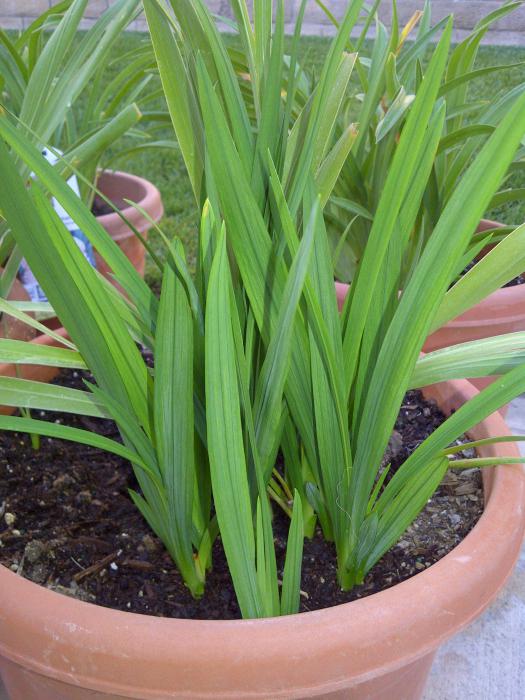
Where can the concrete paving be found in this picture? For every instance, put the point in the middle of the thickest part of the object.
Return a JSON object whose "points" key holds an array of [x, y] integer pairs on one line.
{"points": [[487, 660]]}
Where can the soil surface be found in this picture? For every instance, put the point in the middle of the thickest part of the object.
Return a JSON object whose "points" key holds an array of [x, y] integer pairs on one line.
{"points": [[516, 281], [100, 207], [67, 522]]}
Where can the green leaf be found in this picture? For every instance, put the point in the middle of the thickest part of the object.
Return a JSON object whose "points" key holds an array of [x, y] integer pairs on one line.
{"points": [[9, 308], [102, 139], [26, 353], [330, 169], [64, 432], [352, 207], [24, 393], [273, 374], [173, 411], [479, 443], [290, 596], [452, 140], [460, 80], [394, 114], [484, 462], [500, 265], [478, 358], [225, 439], [180, 97]]}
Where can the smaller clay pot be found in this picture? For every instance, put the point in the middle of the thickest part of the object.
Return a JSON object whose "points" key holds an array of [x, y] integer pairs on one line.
{"points": [[39, 373], [501, 312], [118, 186]]}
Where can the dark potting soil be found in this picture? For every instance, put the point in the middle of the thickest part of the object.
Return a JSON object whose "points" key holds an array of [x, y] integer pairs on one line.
{"points": [[100, 207], [67, 522], [520, 279]]}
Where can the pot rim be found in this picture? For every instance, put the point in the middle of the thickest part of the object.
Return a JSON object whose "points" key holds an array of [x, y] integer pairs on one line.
{"points": [[81, 643]]}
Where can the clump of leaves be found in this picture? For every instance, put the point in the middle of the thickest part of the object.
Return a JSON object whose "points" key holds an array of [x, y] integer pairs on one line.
{"points": [[389, 71], [252, 356]]}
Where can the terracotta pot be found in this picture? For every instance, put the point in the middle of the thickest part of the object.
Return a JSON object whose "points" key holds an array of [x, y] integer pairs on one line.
{"points": [[501, 312], [118, 186], [39, 373], [381, 647]]}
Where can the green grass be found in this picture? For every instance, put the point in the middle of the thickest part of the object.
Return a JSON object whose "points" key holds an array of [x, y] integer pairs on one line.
{"points": [[166, 169]]}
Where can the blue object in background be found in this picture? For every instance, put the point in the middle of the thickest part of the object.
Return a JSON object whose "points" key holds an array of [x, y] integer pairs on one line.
{"points": [[34, 290]]}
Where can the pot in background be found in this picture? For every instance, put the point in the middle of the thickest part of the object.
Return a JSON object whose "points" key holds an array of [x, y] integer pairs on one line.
{"points": [[37, 373], [53, 647], [118, 186], [501, 312]]}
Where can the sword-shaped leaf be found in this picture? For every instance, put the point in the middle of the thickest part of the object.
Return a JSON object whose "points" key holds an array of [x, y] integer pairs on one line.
{"points": [[225, 439]]}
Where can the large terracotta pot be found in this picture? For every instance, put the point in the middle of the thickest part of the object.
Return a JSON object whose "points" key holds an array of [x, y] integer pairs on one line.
{"points": [[380, 648]]}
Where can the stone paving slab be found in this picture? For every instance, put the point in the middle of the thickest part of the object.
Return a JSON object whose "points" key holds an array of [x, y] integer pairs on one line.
{"points": [[487, 660]]}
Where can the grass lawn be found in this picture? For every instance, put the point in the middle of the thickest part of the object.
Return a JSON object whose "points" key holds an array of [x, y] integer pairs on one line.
{"points": [[166, 168]]}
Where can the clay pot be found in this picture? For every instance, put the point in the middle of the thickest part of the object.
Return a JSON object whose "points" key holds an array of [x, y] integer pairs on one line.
{"points": [[118, 186], [381, 647], [501, 312], [38, 373]]}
